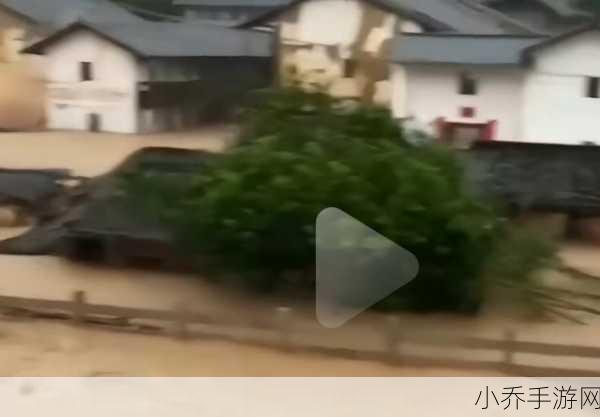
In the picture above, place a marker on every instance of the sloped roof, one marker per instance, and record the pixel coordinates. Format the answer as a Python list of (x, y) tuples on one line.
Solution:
[(550, 41), (232, 3), (109, 211), (27, 187), (462, 49), (565, 8), (562, 8), (163, 39), (465, 16), (58, 13)]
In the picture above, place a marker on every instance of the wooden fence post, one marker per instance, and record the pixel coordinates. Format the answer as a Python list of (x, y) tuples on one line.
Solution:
[(78, 307), (392, 336), (510, 337), (283, 318), (181, 321)]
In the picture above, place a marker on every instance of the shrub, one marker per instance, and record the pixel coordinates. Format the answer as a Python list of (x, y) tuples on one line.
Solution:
[(255, 209)]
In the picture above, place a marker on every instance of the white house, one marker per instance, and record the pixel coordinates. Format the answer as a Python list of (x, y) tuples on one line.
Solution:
[(147, 76), (23, 22), (507, 88), (343, 46)]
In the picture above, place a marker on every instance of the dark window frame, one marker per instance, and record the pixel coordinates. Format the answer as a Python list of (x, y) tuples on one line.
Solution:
[(467, 85), (86, 71), (592, 87), (350, 66)]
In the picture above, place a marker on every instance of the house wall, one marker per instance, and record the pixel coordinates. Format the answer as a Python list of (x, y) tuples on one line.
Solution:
[(313, 50), (432, 92), (556, 109), (112, 94)]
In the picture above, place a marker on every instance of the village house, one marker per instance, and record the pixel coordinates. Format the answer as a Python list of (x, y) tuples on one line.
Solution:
[(463, 88), (22, 22), (343, 46), (148, 76), (226, 10)]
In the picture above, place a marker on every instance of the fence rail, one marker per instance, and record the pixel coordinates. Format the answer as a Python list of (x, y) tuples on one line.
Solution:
[(278, 334)]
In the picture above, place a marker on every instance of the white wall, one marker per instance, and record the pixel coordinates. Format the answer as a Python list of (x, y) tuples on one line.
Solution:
[(432, 92), (112, 93), (556, 109)]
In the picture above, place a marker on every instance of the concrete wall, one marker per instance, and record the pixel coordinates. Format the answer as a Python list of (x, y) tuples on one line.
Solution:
[(556, 109), (319, 37), (112, 94), (432, 92)]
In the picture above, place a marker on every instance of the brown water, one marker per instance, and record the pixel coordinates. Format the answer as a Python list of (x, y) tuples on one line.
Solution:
[(47, 348), (90, 154), (51, 349)]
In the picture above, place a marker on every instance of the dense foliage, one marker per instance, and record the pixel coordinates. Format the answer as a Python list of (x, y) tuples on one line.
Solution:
[(255, 209)]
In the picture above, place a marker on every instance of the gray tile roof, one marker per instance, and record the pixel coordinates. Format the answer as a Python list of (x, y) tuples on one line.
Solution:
[(162, 39), (232, 3), (461, 49), (28, 188), (464, 16), (58, 13), (563, 8)]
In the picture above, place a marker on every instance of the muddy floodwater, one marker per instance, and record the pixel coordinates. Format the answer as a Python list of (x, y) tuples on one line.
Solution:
[(43, 347), (50, 349), (90, 154)]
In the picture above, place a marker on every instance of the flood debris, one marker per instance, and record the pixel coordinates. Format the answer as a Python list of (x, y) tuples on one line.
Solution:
[(30, 188), (96, 221)]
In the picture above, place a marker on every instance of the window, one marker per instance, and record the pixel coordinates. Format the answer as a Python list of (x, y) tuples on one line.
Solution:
[(467, 112), (592, 87), (468, 85), (94, 124), (85, 71), (349, 68), (144, 98)]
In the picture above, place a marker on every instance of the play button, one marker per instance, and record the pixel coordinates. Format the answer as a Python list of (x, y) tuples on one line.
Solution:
[(356, 267)]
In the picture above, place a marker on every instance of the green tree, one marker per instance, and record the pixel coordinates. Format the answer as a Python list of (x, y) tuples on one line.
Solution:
[(254, 209)]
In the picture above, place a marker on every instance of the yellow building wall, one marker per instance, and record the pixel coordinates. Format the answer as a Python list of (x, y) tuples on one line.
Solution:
[(22, 88), (340, 46)]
